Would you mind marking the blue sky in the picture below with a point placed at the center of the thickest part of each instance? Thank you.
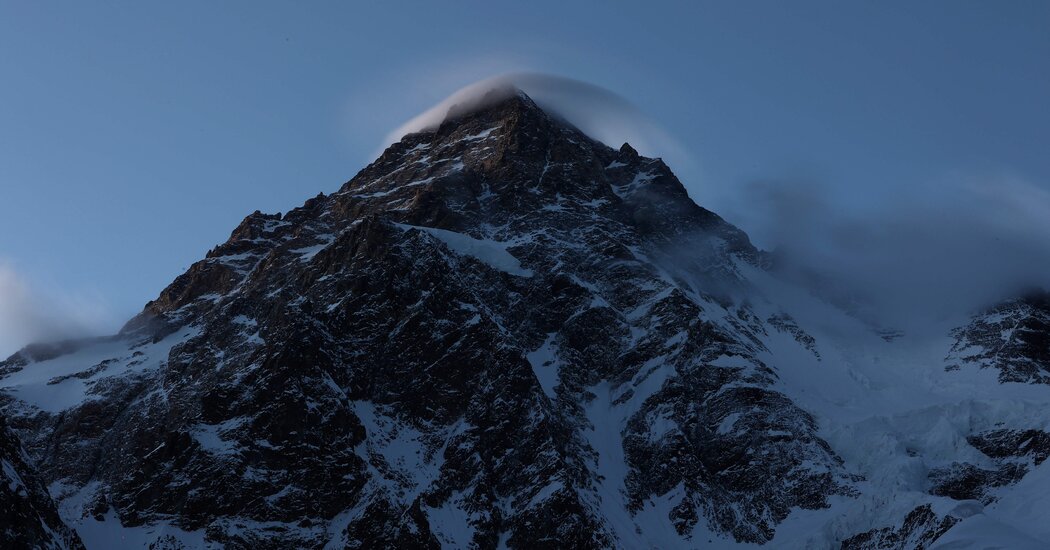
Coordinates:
(135, 135)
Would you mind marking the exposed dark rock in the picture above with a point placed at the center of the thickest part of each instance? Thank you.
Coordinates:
(920, 528)
(1013, 337)
(962, 481)
(28, 518)
(1033, 444)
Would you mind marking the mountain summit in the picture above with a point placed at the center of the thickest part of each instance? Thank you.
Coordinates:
(501, 333)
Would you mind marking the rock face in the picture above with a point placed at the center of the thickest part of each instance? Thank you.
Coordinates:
(500, 333)
(921, 527)
(1013, 337)
(28, 518)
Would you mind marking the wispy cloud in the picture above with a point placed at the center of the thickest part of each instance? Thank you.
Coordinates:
(31, 313)
(372, 109)
(933, 251)
(598, 112)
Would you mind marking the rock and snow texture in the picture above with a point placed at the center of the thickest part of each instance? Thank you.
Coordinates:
(1013, 337)
(28, 517)
(503, 333)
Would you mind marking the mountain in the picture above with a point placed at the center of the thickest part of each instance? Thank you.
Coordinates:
(503, 333)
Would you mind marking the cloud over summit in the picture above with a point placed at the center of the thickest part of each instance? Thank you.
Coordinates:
(596, 111)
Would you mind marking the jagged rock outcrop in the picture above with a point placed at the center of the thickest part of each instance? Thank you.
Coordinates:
(1013, 337)
(921, 527)
(28, 518)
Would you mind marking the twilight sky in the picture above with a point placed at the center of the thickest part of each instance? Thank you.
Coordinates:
(135, 135)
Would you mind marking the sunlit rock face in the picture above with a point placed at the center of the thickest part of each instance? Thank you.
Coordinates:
(500, 333)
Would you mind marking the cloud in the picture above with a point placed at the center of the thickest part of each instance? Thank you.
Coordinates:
(910, 258)
(596, 111)
(373, 107)
(29, 314)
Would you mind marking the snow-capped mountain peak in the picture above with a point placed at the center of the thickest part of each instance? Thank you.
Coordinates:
(504, 333)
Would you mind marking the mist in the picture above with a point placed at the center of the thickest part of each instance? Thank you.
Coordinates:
(908, 259)
(31, 314)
